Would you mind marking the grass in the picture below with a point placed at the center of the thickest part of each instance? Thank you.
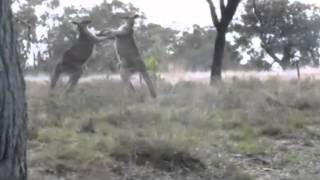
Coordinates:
(191, 131)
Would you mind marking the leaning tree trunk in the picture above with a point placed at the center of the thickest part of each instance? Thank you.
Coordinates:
(12, 102)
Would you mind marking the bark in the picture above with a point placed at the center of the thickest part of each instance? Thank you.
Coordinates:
(287, 56)
(218, 57)
(12, 102)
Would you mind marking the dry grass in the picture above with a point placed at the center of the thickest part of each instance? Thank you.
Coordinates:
(177, 75)
(242, 129)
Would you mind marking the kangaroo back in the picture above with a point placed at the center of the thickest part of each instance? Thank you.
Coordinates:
(149, 83)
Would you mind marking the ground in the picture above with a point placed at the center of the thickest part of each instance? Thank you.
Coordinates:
(236, 130)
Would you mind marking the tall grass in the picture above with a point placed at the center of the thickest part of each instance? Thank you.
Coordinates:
(231, 130)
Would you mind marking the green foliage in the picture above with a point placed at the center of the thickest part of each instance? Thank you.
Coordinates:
(287, 32)
(194, 49)
(152, 64)
(59, 34)
(191, 50)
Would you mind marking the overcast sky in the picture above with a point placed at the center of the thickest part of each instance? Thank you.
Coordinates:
(174, 13)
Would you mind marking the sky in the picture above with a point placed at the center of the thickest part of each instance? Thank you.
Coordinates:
(178, 14)
(173, 13)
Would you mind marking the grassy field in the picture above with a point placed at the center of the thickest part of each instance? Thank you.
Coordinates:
(238, 130)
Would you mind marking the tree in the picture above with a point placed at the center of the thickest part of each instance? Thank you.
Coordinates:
(13, 103)
(156, 42)
(25, 24)
(287, 33)
(30, 27)
(59, 33)
(227, 13)
(193, 50)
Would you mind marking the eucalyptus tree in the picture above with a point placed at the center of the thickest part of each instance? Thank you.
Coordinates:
(286, 32)
(13, 115)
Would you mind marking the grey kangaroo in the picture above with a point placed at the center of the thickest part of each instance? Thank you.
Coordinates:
(128, 55)
(73, 59)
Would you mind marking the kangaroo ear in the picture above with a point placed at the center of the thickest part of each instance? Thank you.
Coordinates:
(136, 16)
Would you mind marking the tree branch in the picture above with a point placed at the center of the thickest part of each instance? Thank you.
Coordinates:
(29, 28)
(222, 6)
(229, 11)
(264, 39)
(26, 24)
(214, 16)
(21, 21)
(256, 13)
(270, 53)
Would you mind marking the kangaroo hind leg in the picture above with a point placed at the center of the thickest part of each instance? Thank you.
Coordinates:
(125, 77)
(73, 80)
(149, 83)
(55, 76)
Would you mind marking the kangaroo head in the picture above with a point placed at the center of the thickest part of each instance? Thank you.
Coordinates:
(130, 19)
(82, 25)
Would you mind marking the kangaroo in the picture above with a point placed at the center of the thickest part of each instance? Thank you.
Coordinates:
(127, 53)
(74, 59)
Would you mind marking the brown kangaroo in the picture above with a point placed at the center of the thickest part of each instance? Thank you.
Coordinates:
(73, 59)
(128, 55)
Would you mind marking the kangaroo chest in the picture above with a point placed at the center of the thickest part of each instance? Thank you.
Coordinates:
(81, 51)
(126, 51)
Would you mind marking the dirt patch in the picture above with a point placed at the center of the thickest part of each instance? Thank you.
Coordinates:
(164, 159)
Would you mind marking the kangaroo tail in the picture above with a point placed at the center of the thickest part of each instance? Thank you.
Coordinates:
(149, 83)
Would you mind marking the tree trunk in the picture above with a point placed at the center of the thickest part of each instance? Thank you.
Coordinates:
(287, 56)
(12, 102)
(227, 13)
(298, 70)
(218, 56)
(285, 63)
